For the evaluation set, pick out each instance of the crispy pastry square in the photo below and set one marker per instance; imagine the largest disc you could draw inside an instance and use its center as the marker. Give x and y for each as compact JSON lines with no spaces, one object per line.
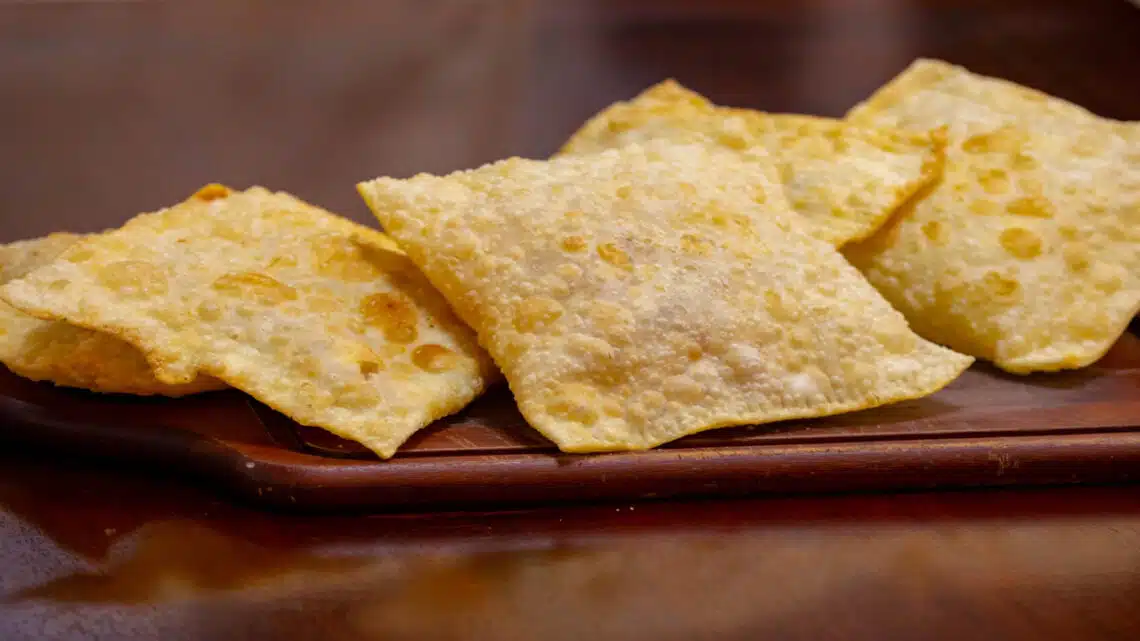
{"x":1027,"y":253}
{"x":318,"y":317}
{"x":644,"y":293}
{"x":846,"y":179}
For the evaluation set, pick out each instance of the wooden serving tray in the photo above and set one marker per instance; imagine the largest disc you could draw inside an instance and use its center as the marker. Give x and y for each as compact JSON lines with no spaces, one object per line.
{"x":987,"y":428}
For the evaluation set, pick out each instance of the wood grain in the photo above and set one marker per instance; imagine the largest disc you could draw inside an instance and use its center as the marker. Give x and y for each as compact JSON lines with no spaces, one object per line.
{"x":110,"y":108}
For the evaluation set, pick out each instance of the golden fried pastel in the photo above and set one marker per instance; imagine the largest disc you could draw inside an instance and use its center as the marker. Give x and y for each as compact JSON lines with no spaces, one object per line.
{"x":846,"y":179}
{"x":1027,"y":253}
{"x":318,"y":317}
{"x":68,"y":355}
{"x":643,"y":293}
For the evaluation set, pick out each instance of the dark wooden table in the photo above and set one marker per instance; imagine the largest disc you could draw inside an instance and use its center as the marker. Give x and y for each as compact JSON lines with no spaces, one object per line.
{"x":109,"y":108}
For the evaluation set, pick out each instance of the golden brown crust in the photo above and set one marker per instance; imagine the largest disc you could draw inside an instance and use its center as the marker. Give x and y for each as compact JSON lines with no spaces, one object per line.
{"x":643,"y":293}
{"x":846,"y":179}
{"x":67,"y":355}
{"x":1028,"y":252}
{"x":269,"y":294}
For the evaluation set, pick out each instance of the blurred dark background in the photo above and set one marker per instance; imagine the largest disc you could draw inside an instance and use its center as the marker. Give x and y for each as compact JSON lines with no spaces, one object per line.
{"x":111,"y":108}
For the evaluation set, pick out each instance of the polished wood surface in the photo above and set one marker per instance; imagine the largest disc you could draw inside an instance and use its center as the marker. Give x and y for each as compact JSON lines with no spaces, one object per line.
{"x":109,"y":108}
{"x":110,"y":555}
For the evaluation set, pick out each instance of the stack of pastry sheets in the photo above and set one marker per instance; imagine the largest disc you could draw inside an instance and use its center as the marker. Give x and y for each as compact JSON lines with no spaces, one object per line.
{"x":678,"y":266}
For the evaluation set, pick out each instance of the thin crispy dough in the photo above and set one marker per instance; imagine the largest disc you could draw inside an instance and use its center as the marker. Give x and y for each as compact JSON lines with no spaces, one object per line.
{"x":1028,"y":251}
{"x":846,"y":179}
{"x":318,"y":317}
{"x":67,"y":355}
{"x":644,"y":293}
